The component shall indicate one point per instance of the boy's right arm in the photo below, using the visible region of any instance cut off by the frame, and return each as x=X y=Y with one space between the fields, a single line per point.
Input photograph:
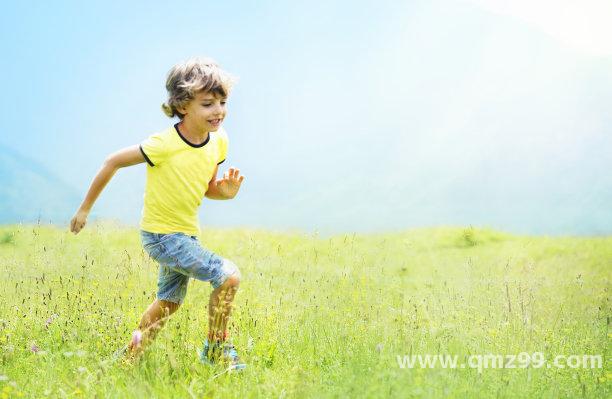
x=125 y=157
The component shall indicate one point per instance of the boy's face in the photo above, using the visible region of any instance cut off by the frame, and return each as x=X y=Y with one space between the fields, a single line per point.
x=206 y=111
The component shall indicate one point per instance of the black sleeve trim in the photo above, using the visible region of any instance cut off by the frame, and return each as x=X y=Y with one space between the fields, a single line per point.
x=219 y=163
x=145 y=156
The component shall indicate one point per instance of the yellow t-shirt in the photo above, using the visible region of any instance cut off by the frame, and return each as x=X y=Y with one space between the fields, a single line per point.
x=178 y=173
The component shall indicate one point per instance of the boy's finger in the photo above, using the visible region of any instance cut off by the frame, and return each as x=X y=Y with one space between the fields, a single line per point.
x=237 y=173
x=241 y=179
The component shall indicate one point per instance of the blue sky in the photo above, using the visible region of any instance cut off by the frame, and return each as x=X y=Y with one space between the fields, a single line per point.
x=348 y=116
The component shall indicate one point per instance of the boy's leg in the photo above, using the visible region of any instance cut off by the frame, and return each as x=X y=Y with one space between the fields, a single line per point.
x=152 y=321
x=184 y=257
x=220 y=307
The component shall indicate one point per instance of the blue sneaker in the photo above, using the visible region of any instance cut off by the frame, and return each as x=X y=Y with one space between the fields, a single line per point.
x=209 y=355
x=218 y=353
x=231 y=356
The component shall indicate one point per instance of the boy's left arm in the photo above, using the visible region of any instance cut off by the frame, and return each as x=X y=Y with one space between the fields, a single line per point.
x=225 y=188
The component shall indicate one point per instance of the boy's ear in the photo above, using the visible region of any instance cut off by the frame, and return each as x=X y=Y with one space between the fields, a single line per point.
x=182 y=110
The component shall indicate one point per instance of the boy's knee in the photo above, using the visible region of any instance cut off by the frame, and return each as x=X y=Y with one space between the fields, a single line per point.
x=233 y=280
x=229 y=278
x=233 y=272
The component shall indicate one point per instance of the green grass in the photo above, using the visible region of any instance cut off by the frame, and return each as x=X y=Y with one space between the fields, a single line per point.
x=315 y=317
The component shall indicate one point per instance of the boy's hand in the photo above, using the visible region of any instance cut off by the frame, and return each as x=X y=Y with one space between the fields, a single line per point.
x=78 y=221
x=229 y=185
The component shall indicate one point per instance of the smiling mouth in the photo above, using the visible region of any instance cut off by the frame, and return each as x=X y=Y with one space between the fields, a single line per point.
x=215 y=121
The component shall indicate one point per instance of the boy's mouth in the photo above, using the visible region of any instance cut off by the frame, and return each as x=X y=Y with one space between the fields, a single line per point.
x=214 y=121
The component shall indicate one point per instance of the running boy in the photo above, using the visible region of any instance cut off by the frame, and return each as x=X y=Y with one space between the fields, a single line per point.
x=182 y=164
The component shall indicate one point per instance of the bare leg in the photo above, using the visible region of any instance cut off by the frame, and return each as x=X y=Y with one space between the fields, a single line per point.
x=220 y=307
x=152 y=321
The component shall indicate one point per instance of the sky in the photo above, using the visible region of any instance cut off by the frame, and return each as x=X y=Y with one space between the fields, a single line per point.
x=348 y=116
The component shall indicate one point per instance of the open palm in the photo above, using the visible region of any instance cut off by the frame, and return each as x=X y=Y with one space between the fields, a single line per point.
x=230 y=183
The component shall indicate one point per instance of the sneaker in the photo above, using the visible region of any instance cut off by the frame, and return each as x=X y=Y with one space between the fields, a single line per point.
x=124 y=353
x=209 y=353
x=231 y=356
x=218 y=353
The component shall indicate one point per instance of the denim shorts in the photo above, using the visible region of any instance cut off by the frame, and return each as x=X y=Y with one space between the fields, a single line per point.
x=181 y=257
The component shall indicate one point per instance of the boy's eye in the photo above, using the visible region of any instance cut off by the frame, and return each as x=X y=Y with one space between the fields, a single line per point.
x=208 y=105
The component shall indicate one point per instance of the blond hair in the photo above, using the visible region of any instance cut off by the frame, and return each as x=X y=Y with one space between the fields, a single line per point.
x=190 y=77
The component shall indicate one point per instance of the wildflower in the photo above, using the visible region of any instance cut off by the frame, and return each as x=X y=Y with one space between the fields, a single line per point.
x=50 y=320
x=379 y=347
x=3 y=377
x=34 y=348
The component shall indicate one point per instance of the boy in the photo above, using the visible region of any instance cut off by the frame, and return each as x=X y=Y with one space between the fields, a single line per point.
x=182 y=164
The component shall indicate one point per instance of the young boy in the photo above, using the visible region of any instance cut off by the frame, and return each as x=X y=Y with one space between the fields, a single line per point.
x=182 y=164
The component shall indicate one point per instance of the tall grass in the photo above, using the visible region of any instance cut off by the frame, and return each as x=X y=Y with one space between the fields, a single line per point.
x=314 y=317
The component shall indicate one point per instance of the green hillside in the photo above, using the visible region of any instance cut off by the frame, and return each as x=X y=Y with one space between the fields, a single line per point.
x=315 y=317
x=31 y=193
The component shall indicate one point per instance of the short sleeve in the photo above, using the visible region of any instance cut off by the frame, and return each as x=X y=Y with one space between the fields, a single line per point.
x=223 y=142
x=153 y=149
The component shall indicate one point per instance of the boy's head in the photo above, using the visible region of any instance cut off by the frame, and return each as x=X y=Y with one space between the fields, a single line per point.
x=196 y=75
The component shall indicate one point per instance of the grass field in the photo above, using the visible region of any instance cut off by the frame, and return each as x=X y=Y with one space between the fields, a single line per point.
x=315 y=317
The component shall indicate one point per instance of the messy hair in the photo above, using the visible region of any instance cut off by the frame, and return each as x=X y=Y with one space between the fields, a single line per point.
x=190 y=77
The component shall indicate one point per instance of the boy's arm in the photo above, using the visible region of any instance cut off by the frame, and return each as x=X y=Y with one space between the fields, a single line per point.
x=125 y=157
x=225 y=188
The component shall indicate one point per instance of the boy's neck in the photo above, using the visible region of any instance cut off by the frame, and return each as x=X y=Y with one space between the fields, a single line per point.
x=191 y=133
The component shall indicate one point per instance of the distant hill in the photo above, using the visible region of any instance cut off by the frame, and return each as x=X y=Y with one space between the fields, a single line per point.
x=442 y=114
x=30 y=193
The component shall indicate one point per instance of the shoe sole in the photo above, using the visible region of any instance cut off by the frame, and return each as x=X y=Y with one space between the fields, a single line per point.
x=237 y=367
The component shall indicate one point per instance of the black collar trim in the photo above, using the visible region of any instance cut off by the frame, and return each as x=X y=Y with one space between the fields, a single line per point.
x=189 y=142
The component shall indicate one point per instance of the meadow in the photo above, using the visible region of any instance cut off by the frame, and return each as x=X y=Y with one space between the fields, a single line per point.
x=315 y=316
